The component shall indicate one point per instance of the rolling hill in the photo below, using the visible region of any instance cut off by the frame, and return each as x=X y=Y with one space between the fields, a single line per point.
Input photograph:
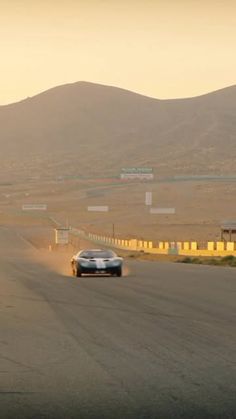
x=95 y=129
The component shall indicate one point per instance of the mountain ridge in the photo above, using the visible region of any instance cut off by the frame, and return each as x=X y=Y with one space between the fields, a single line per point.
x=93 y=84
x=85 y=120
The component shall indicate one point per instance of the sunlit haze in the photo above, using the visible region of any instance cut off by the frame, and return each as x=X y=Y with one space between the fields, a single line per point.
x=159 y=48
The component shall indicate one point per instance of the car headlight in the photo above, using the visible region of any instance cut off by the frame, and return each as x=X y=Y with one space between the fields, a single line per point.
x=84 y=262
x=116 y=263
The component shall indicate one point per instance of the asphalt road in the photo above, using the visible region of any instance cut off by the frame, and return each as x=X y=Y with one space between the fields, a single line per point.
x=157 y=343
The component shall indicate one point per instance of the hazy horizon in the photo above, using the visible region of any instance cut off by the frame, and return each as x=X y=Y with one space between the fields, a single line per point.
x=162 y=49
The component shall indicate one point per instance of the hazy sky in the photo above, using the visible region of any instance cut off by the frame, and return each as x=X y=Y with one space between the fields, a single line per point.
x=161 y=48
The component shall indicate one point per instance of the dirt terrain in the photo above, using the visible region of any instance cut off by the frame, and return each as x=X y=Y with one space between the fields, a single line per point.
x=200 y=207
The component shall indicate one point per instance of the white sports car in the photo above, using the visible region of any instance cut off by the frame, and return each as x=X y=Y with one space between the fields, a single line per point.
x=96 y=261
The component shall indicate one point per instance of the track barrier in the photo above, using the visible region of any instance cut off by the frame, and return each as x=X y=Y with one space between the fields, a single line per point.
x=182 y=248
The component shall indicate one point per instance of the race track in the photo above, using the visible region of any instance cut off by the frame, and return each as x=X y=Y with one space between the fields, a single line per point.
x=157 y=343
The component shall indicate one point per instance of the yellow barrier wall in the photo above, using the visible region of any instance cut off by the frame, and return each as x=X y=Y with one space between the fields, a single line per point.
x=220 y=246
x=186 y=246
x=133 y=244
x=210 y=246
x=230 y=246
x=212 y=249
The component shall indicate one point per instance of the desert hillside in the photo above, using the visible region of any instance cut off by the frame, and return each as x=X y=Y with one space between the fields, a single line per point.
x=85 y=128
x=66 y=147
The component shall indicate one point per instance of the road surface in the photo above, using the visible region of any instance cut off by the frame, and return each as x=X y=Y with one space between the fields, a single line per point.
x=157 y=343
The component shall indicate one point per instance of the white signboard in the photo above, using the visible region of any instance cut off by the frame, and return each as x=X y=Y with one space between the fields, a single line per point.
x=134 y=176
x=62 y=236
x=101 y=208
x=34 y=207
x=134 y=173
x=162 y=210
x=148 y=198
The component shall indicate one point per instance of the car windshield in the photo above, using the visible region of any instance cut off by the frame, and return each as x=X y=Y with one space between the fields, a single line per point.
x=103 y=254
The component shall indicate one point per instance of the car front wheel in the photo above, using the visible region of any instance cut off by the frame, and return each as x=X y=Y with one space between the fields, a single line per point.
x=78 y=272
x=119 y=272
